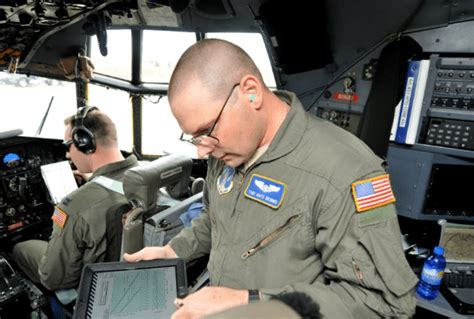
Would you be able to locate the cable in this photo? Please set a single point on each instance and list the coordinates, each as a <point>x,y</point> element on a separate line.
<point>349,109</point>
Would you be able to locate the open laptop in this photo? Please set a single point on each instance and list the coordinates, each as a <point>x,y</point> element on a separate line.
<point>458,280</point>
<point>146,289</point>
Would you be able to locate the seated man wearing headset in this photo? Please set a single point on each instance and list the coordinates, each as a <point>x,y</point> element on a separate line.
<point>79,220</point>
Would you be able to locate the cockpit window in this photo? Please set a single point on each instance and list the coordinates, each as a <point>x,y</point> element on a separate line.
<point>161,51</point>
<point>118,61</point>
<point>161,131</point>
<point>253,44</point>
<point>116,104</point>
<point>26,99</point>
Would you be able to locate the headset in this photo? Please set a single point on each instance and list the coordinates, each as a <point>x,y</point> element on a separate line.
<point>82,137</point>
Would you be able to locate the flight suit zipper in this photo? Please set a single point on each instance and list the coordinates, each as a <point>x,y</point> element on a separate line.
<point>271,237</point>
<point>242,178</point>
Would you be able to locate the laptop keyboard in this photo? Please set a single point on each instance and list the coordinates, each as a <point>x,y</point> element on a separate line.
<point>459,278</point>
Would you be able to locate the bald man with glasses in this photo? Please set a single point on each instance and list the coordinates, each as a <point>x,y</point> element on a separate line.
<point>291,203</point>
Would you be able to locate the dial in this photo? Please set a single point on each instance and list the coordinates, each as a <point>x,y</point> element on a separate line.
<point>13,184</point>
<point>34,161</point>
<point>11,160</point>
<point>10,212</point>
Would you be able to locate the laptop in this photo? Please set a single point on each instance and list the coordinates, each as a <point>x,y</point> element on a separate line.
<point>458,280</point>
<point>146,289</point>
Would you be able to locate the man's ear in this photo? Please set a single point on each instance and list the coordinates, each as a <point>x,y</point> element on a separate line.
<point>252,87</point>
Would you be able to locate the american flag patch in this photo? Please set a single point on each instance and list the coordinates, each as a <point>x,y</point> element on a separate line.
<point>59,217</point>
<point>372,193</point>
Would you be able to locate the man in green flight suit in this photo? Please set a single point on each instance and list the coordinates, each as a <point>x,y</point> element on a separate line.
<point>79,220</point>
<point>291,203</point>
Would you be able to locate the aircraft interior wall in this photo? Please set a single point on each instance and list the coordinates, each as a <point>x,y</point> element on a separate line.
<point>347,61</point>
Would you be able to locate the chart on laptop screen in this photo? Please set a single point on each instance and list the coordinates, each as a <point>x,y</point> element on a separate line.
<point>144,293</point>
<point>458,241</point>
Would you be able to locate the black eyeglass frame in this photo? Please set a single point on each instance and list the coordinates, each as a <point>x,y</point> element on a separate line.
<point>67,145</point>
<point>197,140</point>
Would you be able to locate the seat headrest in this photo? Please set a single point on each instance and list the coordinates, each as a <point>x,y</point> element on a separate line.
<point>141,183</point>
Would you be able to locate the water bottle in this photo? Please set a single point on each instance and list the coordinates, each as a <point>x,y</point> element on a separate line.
<point>431,275</point>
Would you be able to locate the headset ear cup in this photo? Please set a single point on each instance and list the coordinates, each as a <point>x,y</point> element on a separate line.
<point>84,140</point>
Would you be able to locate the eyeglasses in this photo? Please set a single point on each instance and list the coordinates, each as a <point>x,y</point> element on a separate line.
<point>197,140</point>
<point>67,145</point>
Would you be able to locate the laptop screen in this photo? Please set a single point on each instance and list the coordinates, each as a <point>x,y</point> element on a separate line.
<point>123,290</point>
<point>458,242</point>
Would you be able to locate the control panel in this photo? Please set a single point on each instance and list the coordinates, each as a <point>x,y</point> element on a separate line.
<point>19,297</point>
<point>23,195</point>
<point>454,84</point>
<point>426,176</point>
<point>450,133</point>
<point>14,301</point>
<point>342,103</point>
<point>344,119</point>
<point>448,111</point>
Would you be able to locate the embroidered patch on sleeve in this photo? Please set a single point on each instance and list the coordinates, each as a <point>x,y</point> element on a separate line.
<point>372,193</point>
<point>59,217</point>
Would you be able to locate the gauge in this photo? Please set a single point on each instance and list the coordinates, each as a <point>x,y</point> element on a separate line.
<point>11,160</point>
<point>10,212</point>
<point>13,184</point>
<point>34,161</point>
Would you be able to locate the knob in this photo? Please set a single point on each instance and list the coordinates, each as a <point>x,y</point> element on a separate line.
<point>10,212</point>
<point>21,208</point>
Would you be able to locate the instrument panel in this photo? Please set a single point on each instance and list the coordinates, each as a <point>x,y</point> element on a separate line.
<point>23,195</point>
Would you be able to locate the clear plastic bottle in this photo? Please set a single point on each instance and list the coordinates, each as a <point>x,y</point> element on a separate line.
<point>432,274</point>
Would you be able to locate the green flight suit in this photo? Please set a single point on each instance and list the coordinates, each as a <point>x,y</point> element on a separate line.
<point>82,239</point>
<point>350,262</point>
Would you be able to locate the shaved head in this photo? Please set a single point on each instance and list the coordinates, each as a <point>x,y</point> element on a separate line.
<point>213,64</point>
<point>217,95</point>
<point>100,125</point>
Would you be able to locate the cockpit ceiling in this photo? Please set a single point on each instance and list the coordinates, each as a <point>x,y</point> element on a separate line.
<point>35,34</point>
<point>25,25</point>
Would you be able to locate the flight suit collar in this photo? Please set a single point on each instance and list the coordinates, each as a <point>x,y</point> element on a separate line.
<point>110,168</point>
<point>290,132</point>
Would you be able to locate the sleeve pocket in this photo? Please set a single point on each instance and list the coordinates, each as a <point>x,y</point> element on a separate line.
<point>389,261</point>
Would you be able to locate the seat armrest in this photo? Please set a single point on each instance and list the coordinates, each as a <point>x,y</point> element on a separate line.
<point>132,238</point>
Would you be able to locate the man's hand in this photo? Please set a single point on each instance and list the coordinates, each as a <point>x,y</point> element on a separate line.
<point>149,253</point>
<point>209,300</point>
<point>81,178</point>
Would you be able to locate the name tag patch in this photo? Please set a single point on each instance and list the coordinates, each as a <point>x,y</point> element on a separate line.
<point>225,182</point>
<point>265,190</point>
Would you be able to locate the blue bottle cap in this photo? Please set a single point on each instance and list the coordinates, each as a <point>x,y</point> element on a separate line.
<point>438,250</point>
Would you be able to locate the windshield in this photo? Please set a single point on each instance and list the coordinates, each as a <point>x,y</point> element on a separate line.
<point>39,105</point>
